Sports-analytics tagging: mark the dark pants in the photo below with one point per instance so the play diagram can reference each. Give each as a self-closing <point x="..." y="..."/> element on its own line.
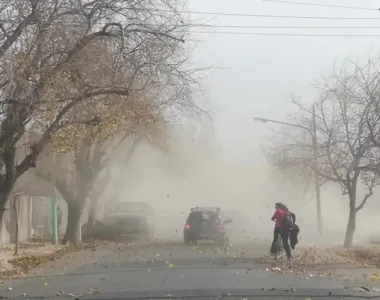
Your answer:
<point x="285" y="240"/>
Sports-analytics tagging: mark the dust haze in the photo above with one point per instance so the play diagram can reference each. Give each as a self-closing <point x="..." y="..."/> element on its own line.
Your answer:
<point x="194" y="172"/>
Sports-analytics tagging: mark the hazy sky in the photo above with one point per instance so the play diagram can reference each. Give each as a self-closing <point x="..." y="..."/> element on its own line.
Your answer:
<point x="259" y="72"/>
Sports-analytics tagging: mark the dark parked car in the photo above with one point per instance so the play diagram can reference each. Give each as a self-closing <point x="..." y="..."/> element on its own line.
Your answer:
<point x="206" y="223"/>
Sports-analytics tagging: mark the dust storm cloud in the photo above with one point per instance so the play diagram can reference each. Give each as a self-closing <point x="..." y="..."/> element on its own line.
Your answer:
<point x="194" y="173"/>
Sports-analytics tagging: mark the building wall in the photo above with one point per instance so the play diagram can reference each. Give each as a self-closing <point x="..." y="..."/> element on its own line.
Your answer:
<point x="34" y="218"/>
<point x="23" y="208"/>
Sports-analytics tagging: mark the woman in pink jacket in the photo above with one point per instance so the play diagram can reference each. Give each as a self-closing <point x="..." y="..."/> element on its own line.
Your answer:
<point x="282" y="228"/>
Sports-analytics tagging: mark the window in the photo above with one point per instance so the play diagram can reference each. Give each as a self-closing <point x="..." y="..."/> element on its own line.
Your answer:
<point x="201" y="216"/>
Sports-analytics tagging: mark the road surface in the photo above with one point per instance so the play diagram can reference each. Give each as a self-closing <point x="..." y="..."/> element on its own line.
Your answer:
<point x="170" y="270"/>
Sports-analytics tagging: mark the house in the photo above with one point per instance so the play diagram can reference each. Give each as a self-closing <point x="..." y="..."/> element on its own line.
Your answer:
<point x="34" y="204"/>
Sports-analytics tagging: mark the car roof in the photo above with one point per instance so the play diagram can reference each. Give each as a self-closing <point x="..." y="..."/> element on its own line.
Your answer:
<point x="200" y="208"/>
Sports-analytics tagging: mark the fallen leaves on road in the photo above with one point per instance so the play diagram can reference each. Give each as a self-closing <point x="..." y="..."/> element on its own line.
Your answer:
<point x="367" y="256"/>
<point x="23" y="264"/>
<point x="302" y="260"/>
<point x="353" y="267"/>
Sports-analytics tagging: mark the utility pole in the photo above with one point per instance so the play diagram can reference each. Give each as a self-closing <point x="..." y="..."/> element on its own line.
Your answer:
<point x="316" y="178"/>
<point x="54" y="223"/>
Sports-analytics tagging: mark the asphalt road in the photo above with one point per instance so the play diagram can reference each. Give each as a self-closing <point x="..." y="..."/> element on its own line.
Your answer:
<point x="171" y="270"/>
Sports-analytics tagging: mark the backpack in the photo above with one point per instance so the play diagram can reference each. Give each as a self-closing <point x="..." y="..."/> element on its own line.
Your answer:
<point x="288" y="221"/>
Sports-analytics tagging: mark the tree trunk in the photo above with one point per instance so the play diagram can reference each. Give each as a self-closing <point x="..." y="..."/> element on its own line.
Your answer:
<point x="5" y="191"/>
<point x="92" y="212"/>
<point x="3" y="204"/>
<point x="73" y="218"/>
<point x="75" y="203"/>
<point x="351" y="224"/>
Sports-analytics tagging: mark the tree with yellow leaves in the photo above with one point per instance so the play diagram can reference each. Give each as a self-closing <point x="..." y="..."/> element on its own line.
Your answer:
<point x="57" y="78"/>
<point x="91" y="158"/>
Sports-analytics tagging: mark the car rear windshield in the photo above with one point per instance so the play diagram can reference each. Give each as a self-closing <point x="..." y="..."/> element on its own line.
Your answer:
<point x="200" y="216"/>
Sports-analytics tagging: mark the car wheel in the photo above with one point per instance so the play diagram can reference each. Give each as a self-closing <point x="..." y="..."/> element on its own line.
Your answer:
<point x="147" y="236"/>
<point x="189" y="241"/>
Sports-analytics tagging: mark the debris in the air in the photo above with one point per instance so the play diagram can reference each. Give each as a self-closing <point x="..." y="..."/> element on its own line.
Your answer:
<point x="272" y="289"/>
<point x="94" y="291"/>
<point x="10" y="289"/>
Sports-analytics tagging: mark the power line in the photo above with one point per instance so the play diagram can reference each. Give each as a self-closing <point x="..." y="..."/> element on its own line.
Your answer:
<point x="322" y="5"/>
<point x="250" y="15"/>
<point x="157" y="26"/>
<point x="284" y="27"/>
<point x="189" y="29"/>
<point x="286" y="34"/>
<point x="268" y="16"/>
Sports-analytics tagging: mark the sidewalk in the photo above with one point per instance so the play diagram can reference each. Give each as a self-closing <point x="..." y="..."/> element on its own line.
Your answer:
<point x="29" y="256"/>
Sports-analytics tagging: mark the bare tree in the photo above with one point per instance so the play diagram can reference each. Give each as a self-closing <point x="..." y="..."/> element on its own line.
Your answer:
<point x="52" y="82"/>
<point x="345" y="151"/>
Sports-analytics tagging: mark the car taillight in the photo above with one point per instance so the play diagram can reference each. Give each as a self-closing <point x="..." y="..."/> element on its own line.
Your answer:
<point x="187" y="226"/>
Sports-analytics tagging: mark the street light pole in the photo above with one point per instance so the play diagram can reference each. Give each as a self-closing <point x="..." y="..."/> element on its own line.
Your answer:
<point x="54" y="223"/>
<point x="316" y="177"/>
<point x="313" y="134"/>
